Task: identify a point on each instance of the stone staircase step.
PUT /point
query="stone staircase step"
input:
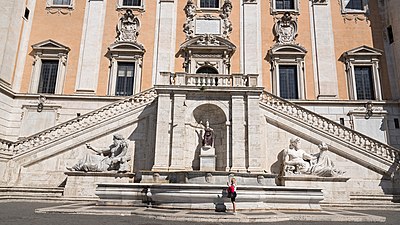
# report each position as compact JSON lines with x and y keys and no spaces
{"x":30,"y":192}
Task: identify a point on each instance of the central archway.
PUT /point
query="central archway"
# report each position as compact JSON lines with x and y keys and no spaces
{"x":207,"y":69}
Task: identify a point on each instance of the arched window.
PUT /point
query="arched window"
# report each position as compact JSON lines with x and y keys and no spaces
{"x":207,"y":69}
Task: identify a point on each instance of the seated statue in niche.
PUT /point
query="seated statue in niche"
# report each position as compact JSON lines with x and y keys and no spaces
{"x":208,"y":138}
{"x":297,"y":161}
{"x":112,"y":158}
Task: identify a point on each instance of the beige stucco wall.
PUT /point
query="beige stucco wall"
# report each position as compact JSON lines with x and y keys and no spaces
{"x":65,"y":29}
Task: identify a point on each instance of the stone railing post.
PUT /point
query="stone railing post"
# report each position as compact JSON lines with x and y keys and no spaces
{"x":180,"y":78}
{"x":252,"y":80}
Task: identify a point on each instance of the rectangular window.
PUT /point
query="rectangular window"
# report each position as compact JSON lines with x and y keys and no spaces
{"x":61,"y":2}
{"x":396,"y":123}
{"x":132,"y":3}
{"x":26,"y":13}
{"x":355,"y":5}
{"x":341,"y":120}
{"x":48,"y":76}
{"x":364,"y":82}
{"x":390,"y":34}
{"x":209,"y":4}
{"x":284,"y":4}
{"x":288,"y":87}
{"x":126,"y":72}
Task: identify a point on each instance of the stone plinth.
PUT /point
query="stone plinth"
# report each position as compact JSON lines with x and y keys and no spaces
{"x":334,"y":188}
{"x":83,"y":184}
{"x":207,"y":158}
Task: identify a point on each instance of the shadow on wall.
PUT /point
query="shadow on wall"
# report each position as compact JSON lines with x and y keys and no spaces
{"x":144,"y":138}
{"x":277,"y":166}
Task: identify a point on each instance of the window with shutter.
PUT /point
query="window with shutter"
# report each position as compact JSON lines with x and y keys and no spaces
{"x":288,"y":86}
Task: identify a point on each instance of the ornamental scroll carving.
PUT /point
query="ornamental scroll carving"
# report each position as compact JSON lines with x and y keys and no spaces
{"x":191,"y":13}
{"x":286,"y":29}
{"x":128,"y":27}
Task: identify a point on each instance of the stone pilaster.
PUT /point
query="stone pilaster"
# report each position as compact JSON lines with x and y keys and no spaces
{"x":90,"y":53}
{"x":10,"y":28}
{"x":255,"y":155}
{"x":251,"y":38}
{"x":323,"y":50}
{"x":165,"y":35}
{"x":178,"y":133}
{"x":162,"y":146}
{"x":238,"y":134}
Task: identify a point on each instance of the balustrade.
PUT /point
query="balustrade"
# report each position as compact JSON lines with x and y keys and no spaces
{"x":321,"y":123}
{"x":79,"y":123}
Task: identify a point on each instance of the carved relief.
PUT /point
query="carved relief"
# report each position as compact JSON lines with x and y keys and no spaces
{"x":188,"y":26}
{"x":128,"y":27}
{"x":286,"y":29}
{"x":226,"y":22}
{"x":207,"y":39}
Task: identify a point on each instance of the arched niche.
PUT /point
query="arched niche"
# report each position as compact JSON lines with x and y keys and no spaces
{"x":217,"y":120}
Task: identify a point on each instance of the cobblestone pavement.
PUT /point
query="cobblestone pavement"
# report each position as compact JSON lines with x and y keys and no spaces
{"x":13,"y":213}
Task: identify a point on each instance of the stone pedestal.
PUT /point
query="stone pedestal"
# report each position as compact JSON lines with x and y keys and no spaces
{"x":207,"y":158}
{"x":83,"y":184}
{"x":334,"y":188}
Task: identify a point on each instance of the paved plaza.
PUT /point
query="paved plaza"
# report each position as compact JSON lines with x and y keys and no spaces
{"x":13,"y":213}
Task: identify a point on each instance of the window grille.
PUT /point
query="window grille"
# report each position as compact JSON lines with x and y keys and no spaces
{"x":132,"y":2}
{"x":364,"y":83}
{"x":209,"y":4}
{"x":288,"y":86}
{"x":125,"y":75}
{"x":48,"y":76}
{"x":61,"y":2}
{"x":284,"y":4}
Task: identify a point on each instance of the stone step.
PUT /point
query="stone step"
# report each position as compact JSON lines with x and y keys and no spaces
{"x":375,"y":198}
{"x":30,"y":192}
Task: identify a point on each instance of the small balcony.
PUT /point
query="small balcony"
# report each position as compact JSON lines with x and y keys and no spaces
{"x":208,"y":80}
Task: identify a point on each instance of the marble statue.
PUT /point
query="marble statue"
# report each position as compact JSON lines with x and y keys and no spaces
{"x":296,"y":160}
{"x":324,"y":167}
{"x":208,"y":139}
{"x":114,"y":158}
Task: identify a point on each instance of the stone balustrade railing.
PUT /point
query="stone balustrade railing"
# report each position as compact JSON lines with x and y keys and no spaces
{"x":203,"y":79}
{"x":79,"y":123}
{"x":319,"y":122}
{"x":5,"y":145}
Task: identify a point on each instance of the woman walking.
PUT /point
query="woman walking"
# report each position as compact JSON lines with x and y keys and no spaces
{"x":232,"y":193}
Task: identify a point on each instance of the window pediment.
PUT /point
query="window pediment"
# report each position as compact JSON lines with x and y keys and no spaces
{"x":50,"y":46}
{"x":128,"y":48}
{"x":289,"y":50}
{"x":363,"y":51}
{"x":208,"y":42}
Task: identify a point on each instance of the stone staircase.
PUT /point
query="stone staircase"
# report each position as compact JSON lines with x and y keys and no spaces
{"x":387,"y":156}
{"x":86,"y":121}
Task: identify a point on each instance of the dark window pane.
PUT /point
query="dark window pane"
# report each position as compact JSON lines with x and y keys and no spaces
{"x":207,"y":69}
{"x":390,"y":34}
{"x":48,"y":76}
{"x":125,"y":76}
{"x":355,"y":5}
{"x":61,"y":2}
{"x":132,"y":3}
{"x":364,"y":83}
{"x":284,"y":4}
{"x":209,"y":3}
{"x":288,"y":82}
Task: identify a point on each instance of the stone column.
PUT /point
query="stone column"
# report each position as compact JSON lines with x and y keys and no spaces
{"x":178,"y":133}
{"x":10,"y":27}
{"x":165,"y":35}
{"x":238,"y":134}
{"x":255,"y":156}
{"x":251,"y":38}
{"x":90,"y":51}
{"x":162,"y":146}
{"x":323,"y":50}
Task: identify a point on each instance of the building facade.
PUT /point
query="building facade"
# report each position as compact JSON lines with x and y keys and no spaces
{"x":334,"y":64}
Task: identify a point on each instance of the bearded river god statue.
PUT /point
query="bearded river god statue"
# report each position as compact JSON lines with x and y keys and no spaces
{"x":297,"y":161}
{"x":112,"y":158}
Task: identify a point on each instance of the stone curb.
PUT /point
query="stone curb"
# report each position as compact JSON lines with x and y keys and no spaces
{"x":333,"y":215}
